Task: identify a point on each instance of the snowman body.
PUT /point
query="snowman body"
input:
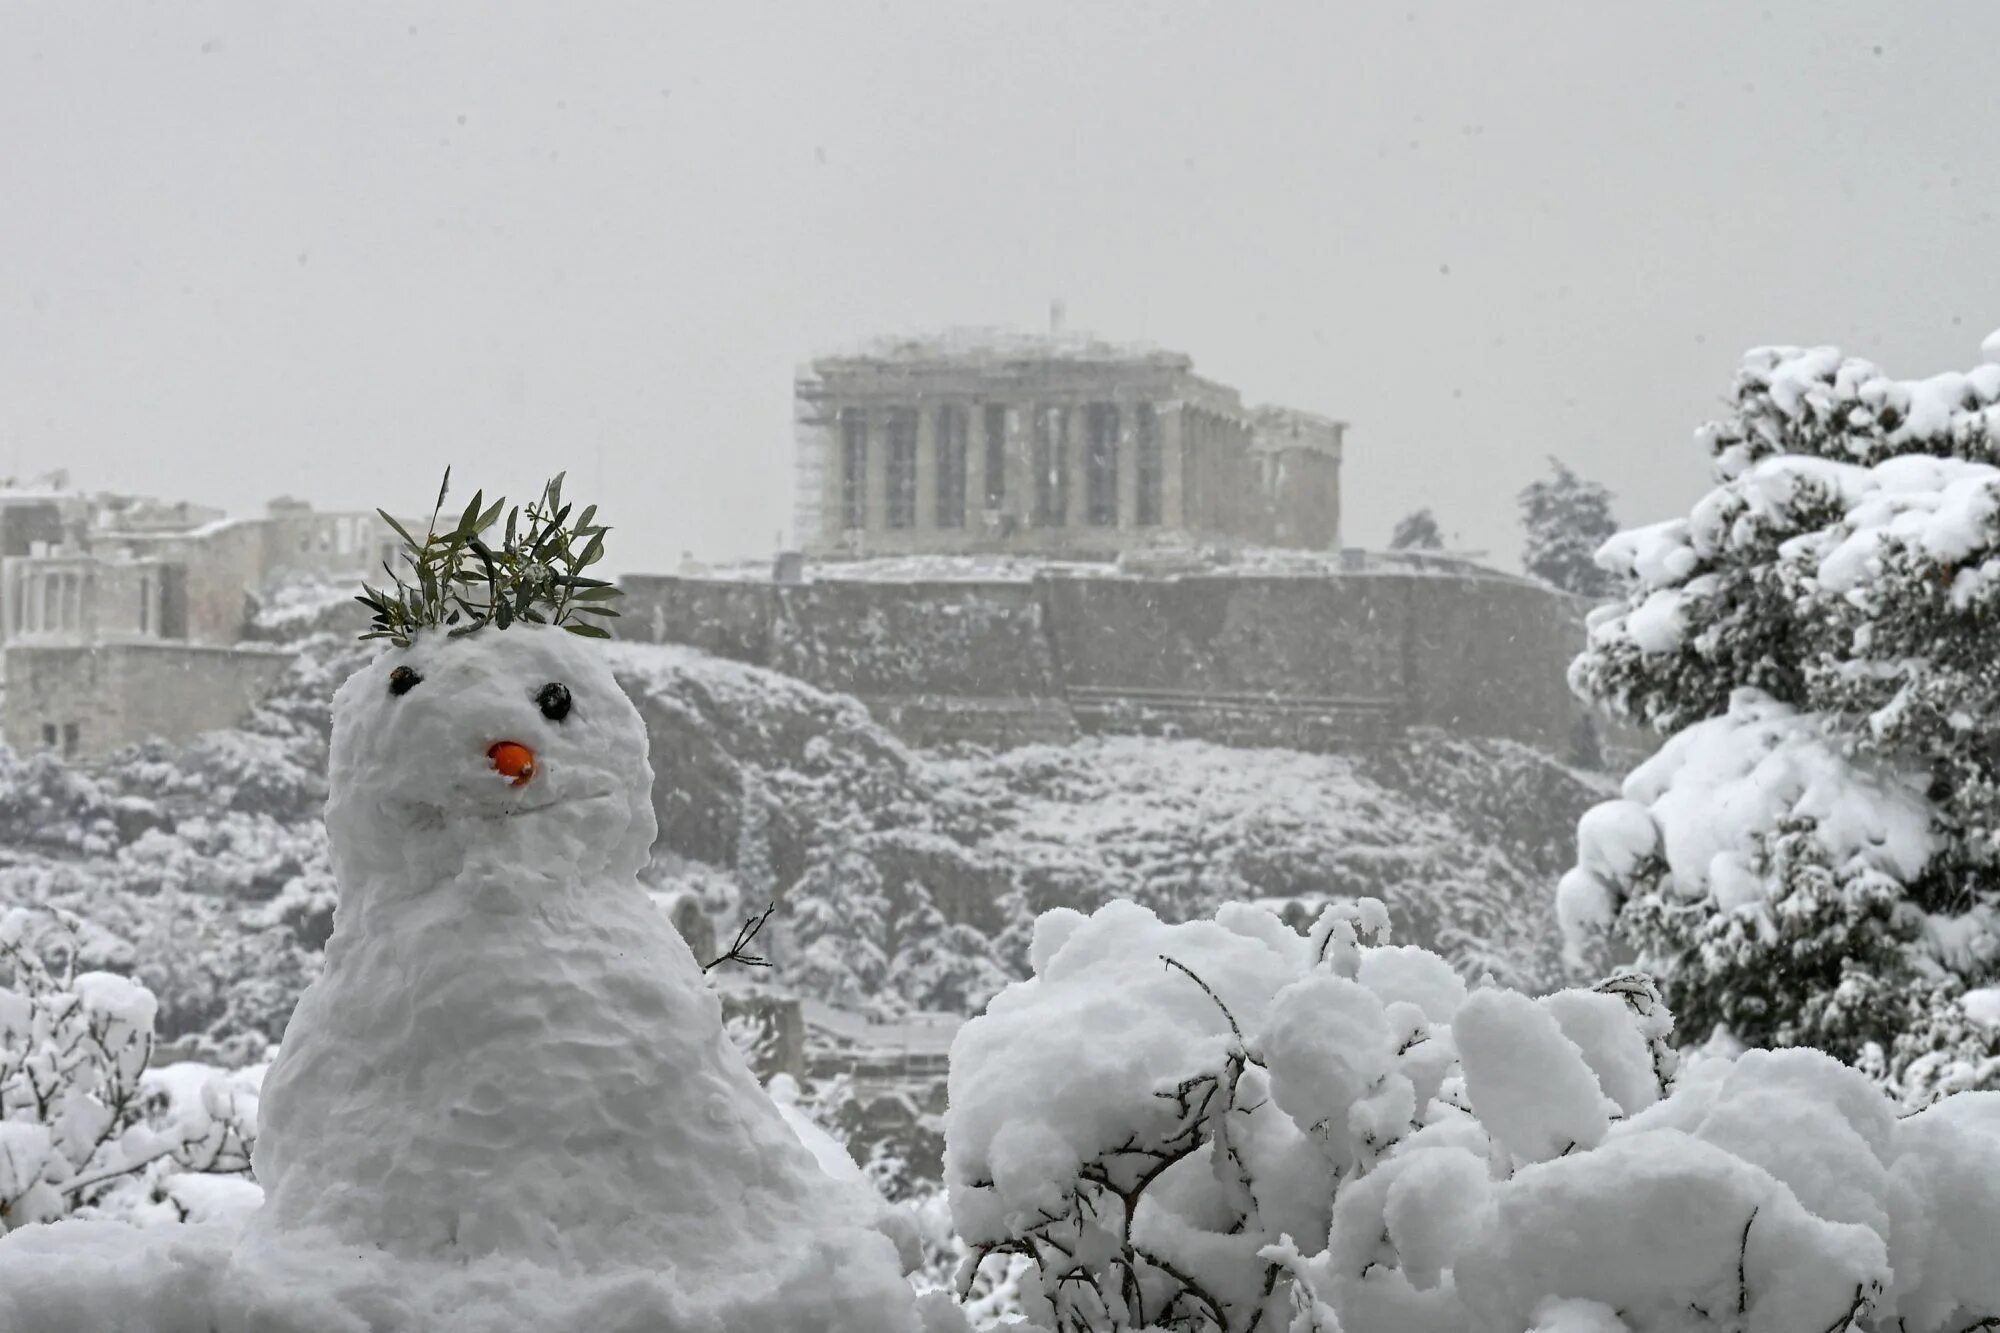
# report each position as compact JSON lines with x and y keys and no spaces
{"x":510,"y":1057}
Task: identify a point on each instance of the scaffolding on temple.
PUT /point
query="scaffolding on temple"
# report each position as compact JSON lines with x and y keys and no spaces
{"x":809,"y":465}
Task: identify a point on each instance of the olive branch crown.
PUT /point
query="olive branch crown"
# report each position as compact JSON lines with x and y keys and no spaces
{"x":461,"y":580}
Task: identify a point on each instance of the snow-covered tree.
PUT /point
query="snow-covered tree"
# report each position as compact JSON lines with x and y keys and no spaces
{"x":835,"y":920}
{"x":84,"y":1126}
{"x":1417,"y":531}
{"x":1224,"y":1126}
{"x":855,"y":940}
{"x":1814,"y":856}
{"x":1564,"y":520}
{"x":938,"y":965}
{"x":756,"y":878}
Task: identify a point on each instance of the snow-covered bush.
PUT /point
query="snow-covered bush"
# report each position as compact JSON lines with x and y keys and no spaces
{"x":200,"y":867}
{"x":1815,"y":856}
{"x":85,"y":1127}
{"x":993,"y":1298}
{"x":1224,"y":1125}
{"x":48,"y":806}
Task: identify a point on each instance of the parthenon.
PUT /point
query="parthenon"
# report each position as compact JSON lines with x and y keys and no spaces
{"x":982,"y":441}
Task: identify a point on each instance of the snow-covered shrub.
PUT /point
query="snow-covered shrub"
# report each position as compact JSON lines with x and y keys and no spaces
{"x":1224,"y":1125}
{"x":48,"y":806}
{"x":1813,"y":857}
{"x":200,"y":868}
{"x":993,"y":1298}
{"x":85,"y":1127}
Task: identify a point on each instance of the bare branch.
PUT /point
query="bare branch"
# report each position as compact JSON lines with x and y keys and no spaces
{"x":1742,"y":1259}
{"x":744,"y":934}
{"x":1173,"y":962}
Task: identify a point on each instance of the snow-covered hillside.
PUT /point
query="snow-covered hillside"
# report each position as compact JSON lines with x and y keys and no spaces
{"x":774,"y":781}
{"x":911,"y":878}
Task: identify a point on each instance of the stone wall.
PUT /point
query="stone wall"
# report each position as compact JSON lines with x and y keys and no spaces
{"x":936,"y":662}
{"x":224,"y":563}
{"x":1493,"y":660}
{"x":726,"y":619}
{"x":301,"y":545}
{"x":1315,"y":662}
{"x":112,"y":694}
{"x":976,"y":641}
{"x":1303,"y":663}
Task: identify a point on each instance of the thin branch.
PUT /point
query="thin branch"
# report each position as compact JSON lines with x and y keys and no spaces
{"x":1854,"y":1310}
{"x":1742,"y":1260}
{"x":744,"y":934}
{"x":1172,"y":962}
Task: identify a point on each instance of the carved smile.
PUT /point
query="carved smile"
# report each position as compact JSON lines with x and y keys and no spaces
{"x":519,"y":811}
{"x":429,"y":815}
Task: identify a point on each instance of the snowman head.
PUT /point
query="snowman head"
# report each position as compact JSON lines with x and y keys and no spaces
{"x":512,"y":753}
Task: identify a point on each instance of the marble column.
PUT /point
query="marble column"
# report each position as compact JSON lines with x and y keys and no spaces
{"x":1169,"y":421}
{"x":927,"y":469}
{"x":1073,"y":440}
{"x":1128,"y":465}
{"x":1020,"y":499}
{"x":875,"y":482}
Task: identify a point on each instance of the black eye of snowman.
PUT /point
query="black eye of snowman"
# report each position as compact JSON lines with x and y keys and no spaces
{"x":404,"y":679}
{"x":554,"y":701}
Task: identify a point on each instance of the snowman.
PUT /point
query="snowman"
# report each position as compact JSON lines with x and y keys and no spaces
{"x":508,"y":1102}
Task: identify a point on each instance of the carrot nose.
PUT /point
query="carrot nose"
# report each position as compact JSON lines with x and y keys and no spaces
{"x":511,"y":759}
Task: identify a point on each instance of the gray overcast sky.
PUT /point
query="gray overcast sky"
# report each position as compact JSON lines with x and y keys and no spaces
{"x":249,"y":249}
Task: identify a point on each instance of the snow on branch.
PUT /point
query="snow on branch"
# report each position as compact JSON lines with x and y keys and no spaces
{"x":1810,"y":858}
{"x":1325,"y":1133}
{"x":83,"y":1122}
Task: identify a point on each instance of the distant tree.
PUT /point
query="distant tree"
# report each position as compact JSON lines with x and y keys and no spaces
{"x":756,"y":877}
{"x":837,"y":918}
{"x":1566,"y":519}
{"x":939,"y":965}
{"x":1417,"y":532}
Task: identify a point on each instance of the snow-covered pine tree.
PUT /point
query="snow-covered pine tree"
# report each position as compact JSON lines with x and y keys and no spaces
{"x":939,"y":966}
{"x":1565,"y":519}
{"x":1814,"y":855}
{"x":1417,"y":531}
{"x":756,"y":878}
{"x":836,"y":920}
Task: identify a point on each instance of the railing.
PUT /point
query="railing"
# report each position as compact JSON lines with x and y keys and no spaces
{"x":929,"y":719}
{"x":1234,"y":714}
